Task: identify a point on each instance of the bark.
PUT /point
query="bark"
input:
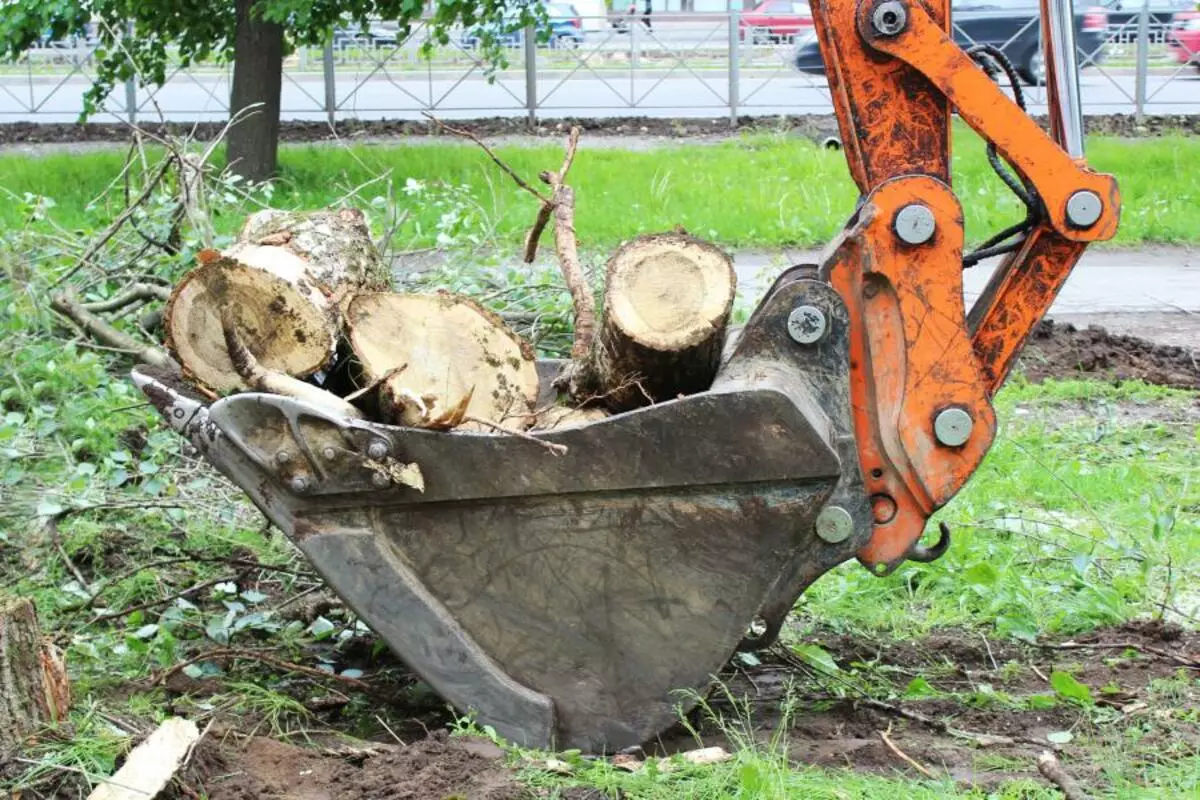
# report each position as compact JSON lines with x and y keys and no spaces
{"x":33,"y":682}
{"x":280,"y":283}
{"x":253,"y":143}
{"x":450,"y":360}
{"x":667,"y":304}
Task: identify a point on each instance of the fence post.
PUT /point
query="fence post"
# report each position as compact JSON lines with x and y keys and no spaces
{"x":130,"y":86}
{"x":1143,"y":61}
{"x":531,"y":101}
{"x":330,"y":83}
{"x":735,"y":64}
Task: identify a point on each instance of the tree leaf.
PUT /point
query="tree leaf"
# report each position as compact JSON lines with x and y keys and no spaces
{"x":817,"y":657}
{"x":1070,"y":689}
{"x":1059,"y":737}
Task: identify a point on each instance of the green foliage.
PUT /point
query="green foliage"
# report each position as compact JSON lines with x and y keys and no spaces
{"x":145,"y":39}
{"x":1068,"y":688}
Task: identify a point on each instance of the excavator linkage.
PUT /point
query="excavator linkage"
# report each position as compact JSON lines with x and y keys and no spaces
{"x":585,"y":600}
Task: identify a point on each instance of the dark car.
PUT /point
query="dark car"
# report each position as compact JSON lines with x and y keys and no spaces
{"x":566,"y":29}
{"x":1010,"y":25}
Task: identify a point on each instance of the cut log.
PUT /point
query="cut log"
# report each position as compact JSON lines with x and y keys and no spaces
{"x":152,"y":764}
{"x":667,"y":303}
{"x":455,"y":350}
{"x":280,"y":282}
{"x":33,"y":681}
{"x":336,"y":245}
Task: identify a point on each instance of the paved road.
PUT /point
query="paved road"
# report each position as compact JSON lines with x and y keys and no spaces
{"x":678,"y":94}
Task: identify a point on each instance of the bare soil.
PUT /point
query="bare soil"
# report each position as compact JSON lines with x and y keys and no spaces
{"x":815,"y":125}
{"x":826,"y":728}
{"x":231,"y":767}
{"x":1063,"y":351}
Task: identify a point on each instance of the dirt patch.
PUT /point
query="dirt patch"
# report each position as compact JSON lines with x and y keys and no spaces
{"x":978,"y":725}
{"x":437,"y":767}
{"x":1064,"y":351}
{"x":815,"y":125}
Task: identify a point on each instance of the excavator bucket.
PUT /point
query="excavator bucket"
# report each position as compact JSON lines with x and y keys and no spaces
{"x":581,"y":599}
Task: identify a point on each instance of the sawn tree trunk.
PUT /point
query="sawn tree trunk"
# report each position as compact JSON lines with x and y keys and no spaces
{"x":279,"y":284}
{"x":33,"y":682}
{"x":667,"y":303}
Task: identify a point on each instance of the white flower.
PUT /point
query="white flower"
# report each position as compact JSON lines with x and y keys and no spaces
{"x":413,"y":186}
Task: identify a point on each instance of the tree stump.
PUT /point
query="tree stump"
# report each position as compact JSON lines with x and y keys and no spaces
{"x":667,"y":303}
{"x":441,"y":360}
{"x":280,"y":283}
{"x":33,"y":681}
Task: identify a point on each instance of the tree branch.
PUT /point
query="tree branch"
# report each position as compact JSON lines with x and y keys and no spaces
{"x":499,"y":162}
{"x":68,"y":306}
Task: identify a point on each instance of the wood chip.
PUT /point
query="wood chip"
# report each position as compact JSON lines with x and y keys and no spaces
{"x":152,"y":764}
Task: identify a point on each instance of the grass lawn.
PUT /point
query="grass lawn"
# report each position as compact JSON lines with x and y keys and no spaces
{"x":760,"y":190}
{"x":1085,"y":516}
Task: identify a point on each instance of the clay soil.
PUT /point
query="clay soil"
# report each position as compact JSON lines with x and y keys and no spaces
{"x":1062,"y":351}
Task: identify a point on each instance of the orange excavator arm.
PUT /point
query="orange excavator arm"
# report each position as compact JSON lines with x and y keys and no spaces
{"x":923,"y":368}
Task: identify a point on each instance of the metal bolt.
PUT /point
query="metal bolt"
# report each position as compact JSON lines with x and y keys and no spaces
{"x":381,"y":480}
{"x":1084,"y":209}
{"x":915,"y":224}
{"x":299,"y":484}
{"x":952,"y":427}
{"x":378,"y":449}
{"x":807,"y":324}
{"x":329,"y":453}
{"x":889,"y":18}
{"x":883,"y":508}
{"x":283,"y":457}
{"x":834,"y":524}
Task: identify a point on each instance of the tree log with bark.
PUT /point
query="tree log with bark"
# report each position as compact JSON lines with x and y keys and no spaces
{"x":281,"y":282}
{"x":441,"y":360}
{"x":667,"y":301}
{"x":33,"y":681}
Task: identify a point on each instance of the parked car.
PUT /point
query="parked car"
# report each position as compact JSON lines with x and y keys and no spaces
{"x":566,"y":29}
{"x":776,"y":21}
{"x":1183,"y":40}
{"x":371,"y":36}
{"x":1010,"y":25}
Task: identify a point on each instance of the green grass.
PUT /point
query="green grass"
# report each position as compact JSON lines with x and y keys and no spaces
{"x":760,"y":190}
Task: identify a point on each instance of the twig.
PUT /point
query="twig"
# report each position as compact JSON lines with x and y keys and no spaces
{"x":988,"y":645}
{"x":553,"y":447}
{"x":535,"y":232}
{"x":265,"y":658}
{"x":1052,"y":770}
{"x":56,"y":537}
{"x":384,"y":378}
{"x":907,"y":758}
{"x":499,"y":162}
{"x":1141,"y":648}
{"x":199,"y":587}
{"x":388,"y":728}
{"x":68,"y":306}
{"x":1039,"y":673}
{"x":981,"y":739}
{"x":136,"y":292}
{"x":567,"y":246}
{"x":116,"y":225}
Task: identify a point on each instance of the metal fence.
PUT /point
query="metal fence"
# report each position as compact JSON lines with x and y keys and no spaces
{"x":713,"y":66}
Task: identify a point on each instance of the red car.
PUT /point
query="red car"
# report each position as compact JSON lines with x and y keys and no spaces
{"x":1184,"y":38}
{"x":776,"y":21}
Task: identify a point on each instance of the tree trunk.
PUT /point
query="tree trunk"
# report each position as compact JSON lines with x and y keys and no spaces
{"x":279,"y":286}
{"x":667,"y":303}
{"x":253,"y":144}
{"x":33,"y":681}
{"x":442,"y":360}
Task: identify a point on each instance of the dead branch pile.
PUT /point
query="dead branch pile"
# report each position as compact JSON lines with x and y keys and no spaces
{"x":303,"y":305}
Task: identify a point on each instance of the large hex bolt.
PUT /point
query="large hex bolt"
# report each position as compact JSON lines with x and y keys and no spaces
{"x":299,"y":484}
{"x":952,"y":427}
{"x":378,"y":449}
{"x":915,"y":224}
{"x":1084,"y":209}
{"x":834,"y":524}
{"x":889,"y":18}
{"x":807,"y":324}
